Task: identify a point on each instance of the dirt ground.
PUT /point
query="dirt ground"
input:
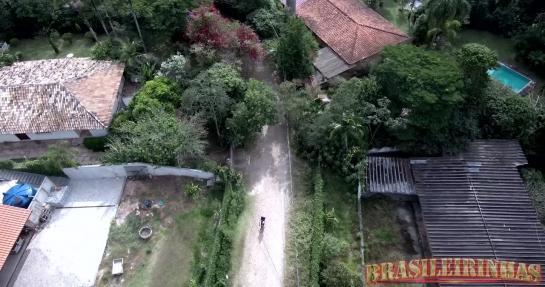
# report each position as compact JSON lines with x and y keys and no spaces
{"x":266,"y":170}
{"x":164,"y":259}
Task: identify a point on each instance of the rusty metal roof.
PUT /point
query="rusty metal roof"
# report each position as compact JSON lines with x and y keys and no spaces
{"x":476,"y":204}
{"x":12,"y":221}
{"x":389,"y":175}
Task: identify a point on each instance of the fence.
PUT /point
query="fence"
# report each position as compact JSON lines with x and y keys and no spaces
{"x":134,"y":170}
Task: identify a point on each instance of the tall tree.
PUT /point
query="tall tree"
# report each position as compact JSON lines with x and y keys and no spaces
{"x":442,"y":19}
{"x":296,"y":50}
{"x":135,"y":19}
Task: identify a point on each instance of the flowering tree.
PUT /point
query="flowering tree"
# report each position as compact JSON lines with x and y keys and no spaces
{"x":207,"y":27}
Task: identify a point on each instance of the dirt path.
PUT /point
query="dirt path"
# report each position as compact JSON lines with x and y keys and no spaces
{"x":266,"y":169}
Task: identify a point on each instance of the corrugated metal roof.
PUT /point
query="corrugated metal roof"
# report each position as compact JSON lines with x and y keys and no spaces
{"x":330,"y":64}
{"x":476,"y":205}
{"x":35,"y":180}
{"x":12,"y":221}
{"x":389,"y":175}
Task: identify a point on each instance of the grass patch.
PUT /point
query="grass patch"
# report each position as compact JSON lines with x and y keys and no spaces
{"x":166,"y":258}
{"x":38,"y":48}
{"x":391,"y":10}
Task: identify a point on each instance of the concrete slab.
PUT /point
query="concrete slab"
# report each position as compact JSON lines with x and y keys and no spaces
{"x":94,"y":192}
{"x":68,"y":251}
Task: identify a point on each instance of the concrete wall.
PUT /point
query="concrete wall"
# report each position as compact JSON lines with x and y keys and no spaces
{"x":99,"y":133}
{"x":53,"y":135}
{"x":8,"y":138}
{"x":133,"y":169}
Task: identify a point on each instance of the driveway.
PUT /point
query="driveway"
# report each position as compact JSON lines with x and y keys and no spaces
{"x":266,"y":170}
{"x":68,"y":251}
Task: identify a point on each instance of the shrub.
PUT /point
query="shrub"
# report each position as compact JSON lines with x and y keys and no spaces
{"x":14,"y":42}
{"x":103,"y":50}
{"x":6,"y":164}
{"x":52,"y":163}
{"x":332,"y":247}
{"x":339,"y":274}
{"x":68,"y":37}
{"x":19,"y":55}
{"x":95,"y":144}
{"x":7,"y":59}
{"x":89,"y":36}
{"x":192,"y":190}
{"x":267,"y":22}
{"x":174,"y":68}
{"x":535,"y":182}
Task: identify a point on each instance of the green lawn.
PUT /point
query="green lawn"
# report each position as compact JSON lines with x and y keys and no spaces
{"x":391,"y":11}
{"x":38,"y":48}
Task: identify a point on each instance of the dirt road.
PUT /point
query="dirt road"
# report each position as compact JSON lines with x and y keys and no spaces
{"x":267,"y":173}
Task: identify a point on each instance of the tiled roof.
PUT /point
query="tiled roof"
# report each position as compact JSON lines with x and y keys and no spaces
{"x":351,"y":29}
{"x":12,"y":221}
{"x":58,"y":95}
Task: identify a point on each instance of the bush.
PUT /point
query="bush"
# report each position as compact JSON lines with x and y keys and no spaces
{"x":19,"y":55}
{"x":95,"y":144}
{"x":332,"y":247}
{"x":7,"y":59}
{"x":535,"y":182}
{"x":14,"y":42}
{"x":192,"y":190}
{"x":103,"y":50}
{"x":89,"y":36}
{"x":52,"y":163}
{"x":6,"y":164}
{"x":267,"y":22}
{"x":339,"y":274}
{"x":68,"y":37}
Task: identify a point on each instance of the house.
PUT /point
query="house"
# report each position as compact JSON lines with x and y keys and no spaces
{"x":58,"y":98}
{"x":472,"y":205}
{"x":353,"y":35}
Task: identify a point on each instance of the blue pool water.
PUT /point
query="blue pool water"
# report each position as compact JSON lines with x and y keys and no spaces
{"x":509,"y":77}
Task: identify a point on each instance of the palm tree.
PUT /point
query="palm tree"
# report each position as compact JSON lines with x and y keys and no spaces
{"x":447,"y":32}
{"x":350,"y":129}
{"x":444,"y":19}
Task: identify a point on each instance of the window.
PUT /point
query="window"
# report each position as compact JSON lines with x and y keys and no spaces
{"x":22,"y":137}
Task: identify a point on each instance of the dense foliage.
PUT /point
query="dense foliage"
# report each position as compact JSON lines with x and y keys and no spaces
{"x":159,"y":93}
{"x":438,"y":21}
{"x":504,"y":17}
{"x":157,"y":138}
{"x":295,"y":51}
{"x":257,"y":108}
{"x":530,"y":45}
{"x":535,"y":181}
{"x":209,"y":28}
{"x":428,"y":86}
{"x":52,"y":163}
{"x":268,"y":22}
{"x":475,"y":60}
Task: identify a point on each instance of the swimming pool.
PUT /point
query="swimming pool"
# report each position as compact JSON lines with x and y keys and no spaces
{"x":509,"y":77}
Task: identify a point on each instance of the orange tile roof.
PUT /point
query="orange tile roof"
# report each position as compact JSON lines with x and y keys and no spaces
{"x":353,"y":30}
{"x":58,"y":95}
{"x":12,"y":221}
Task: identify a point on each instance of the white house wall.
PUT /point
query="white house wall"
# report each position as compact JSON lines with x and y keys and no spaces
{"x":99,"y":133}
{"x":8,"y":138}
{"x":54,"y":135}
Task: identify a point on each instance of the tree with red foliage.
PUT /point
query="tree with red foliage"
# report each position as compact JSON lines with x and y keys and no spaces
{"x":206,"y":26}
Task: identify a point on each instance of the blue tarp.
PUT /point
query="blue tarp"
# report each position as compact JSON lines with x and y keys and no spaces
{"x":19,"y":195}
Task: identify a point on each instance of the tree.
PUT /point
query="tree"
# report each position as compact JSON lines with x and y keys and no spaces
{"x":507,"y":115}
{"x":442,"y":19}
{"x":475,"y":60}
{"x":267,"y":22}
{"x":339,"y":274}
{"x":212,"y":94}
{"x":159,"y":138}
{"x":242,"y":8}
{"x":296,"y":50}
{"x":530,"y":45}
{"x":257,"y":108}
{"x":428,"y":87}
{"x":175,"y":69}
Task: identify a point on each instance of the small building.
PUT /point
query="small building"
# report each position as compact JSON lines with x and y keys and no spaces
{"x":353,"y":35}
{"x":474,"y":204}
{"x":58,"y":98}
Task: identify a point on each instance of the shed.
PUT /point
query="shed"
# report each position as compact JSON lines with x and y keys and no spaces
{"x":476,"y":205}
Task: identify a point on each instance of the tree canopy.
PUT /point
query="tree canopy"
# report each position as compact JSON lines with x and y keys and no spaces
{"x":296,"y":50}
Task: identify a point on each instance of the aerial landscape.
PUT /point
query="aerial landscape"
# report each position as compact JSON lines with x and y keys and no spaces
{"x":272,"y":143}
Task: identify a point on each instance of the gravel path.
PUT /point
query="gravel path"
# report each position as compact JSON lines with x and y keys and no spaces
{"x":267,"y":172}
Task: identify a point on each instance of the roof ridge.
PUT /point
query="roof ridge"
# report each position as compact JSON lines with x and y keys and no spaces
{"x":78,"y":102}
{"x":363,"y":25}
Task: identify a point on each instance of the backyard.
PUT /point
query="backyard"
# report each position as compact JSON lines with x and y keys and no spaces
{"x":166,"y":258}
{"x":38,"y":48}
